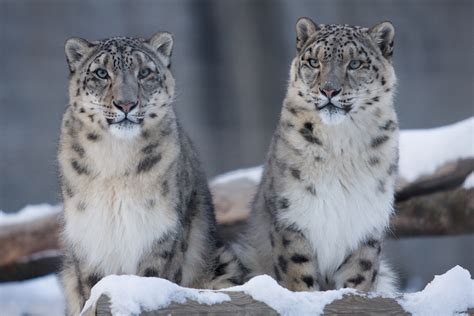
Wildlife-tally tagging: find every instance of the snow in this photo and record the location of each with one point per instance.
(447, 294)
(422, 151)
(28, 213)
(469, 182)
(265, 289)
(41, 255)
(40, 296)
(131, 294)
(254, 174)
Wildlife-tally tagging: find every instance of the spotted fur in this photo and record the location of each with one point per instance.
(136, 200)
(326, 195)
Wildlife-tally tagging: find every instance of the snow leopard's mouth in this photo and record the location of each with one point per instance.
(127, 121)
(331, 107)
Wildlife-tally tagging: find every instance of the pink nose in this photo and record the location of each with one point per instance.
(125, 106)
(329, 93)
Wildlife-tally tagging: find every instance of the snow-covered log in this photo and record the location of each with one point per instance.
(243, 304)
(448, 294)
(33, 229)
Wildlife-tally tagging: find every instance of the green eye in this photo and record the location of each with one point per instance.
(355, 64)
(101, 73)
(144, 73)
(313, 62)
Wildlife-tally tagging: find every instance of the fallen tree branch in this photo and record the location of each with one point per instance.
(31, 267)
(29, 237)
(443, 213)
(449, 176)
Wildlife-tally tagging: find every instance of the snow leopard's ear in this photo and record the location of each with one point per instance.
(162, 43)
(76, 48)
(383, 35)
(305, 28)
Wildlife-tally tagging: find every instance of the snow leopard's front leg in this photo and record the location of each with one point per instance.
(164, 260)
(77, 282)
(294, 262)
(228, 270)
(360, 268)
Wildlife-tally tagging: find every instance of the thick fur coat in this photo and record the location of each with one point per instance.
(135, 198)
(326, 197)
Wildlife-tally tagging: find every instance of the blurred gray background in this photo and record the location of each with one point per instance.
(231, 61)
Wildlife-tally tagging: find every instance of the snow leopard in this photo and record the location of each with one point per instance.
(136, 200)
(326, 195)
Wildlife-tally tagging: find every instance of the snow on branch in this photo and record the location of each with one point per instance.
(450, 293)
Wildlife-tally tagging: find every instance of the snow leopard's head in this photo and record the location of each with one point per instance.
(340, 69)
(120, 84)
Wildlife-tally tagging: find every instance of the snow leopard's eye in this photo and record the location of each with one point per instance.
(355, 64)
(144, 73)
(101, 73)
(313, 62)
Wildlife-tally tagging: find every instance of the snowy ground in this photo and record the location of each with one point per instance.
(421, 152)
(41, 296)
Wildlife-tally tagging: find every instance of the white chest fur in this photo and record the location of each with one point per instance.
(340, 217)
(349, 206)
(115, 228)
(115, 214)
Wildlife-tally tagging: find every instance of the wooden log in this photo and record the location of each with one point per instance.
(243, 304)
(232, 200)
(31, 267)
(25, 239)
(443, 213)
(447, 177)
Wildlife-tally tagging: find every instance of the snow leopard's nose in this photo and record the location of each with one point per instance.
(329, 93)
(125, 106)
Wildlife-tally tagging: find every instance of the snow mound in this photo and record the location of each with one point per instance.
(40, 296)
(29, 213)
(265, 289)
(131, 294)
(469, 182)
(447, 294)
(422, 151)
